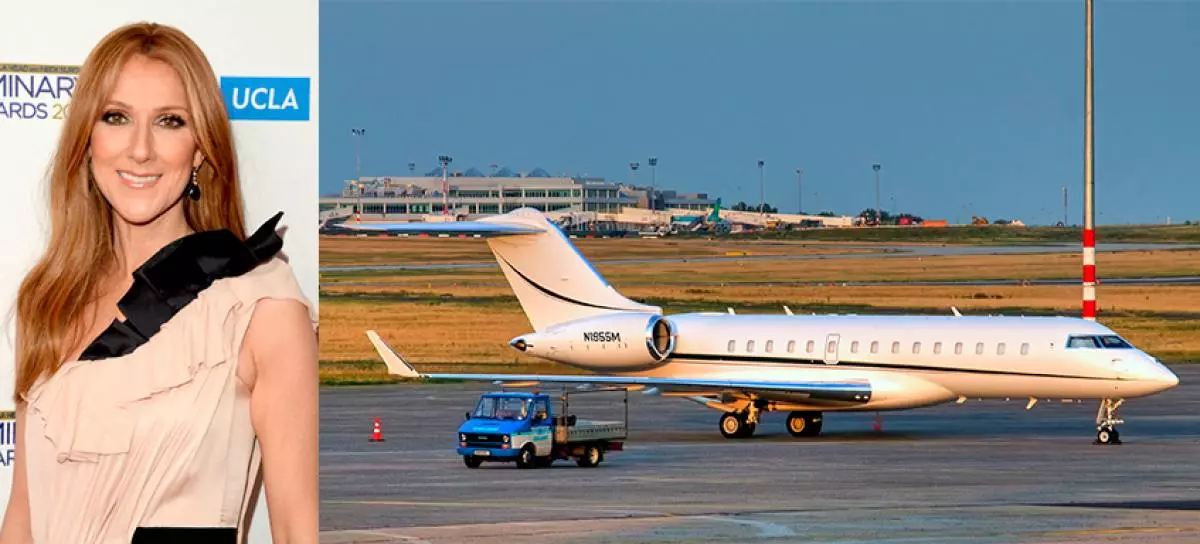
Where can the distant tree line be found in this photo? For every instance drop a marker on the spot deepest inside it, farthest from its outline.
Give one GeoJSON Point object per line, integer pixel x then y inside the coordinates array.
{"type": "Point", "coordinates": [884, 217]}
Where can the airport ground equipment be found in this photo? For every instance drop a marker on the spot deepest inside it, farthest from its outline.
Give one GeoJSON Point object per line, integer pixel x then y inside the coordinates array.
{"type": "Point", "coordinates": [522, 427]}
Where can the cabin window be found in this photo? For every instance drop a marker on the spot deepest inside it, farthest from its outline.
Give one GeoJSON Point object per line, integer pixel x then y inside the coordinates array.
{"type": "Point", "coordinates": [831, 347]}
{"type": "Point", "coordinates": [791, 346]}
{"type": "Point", "coordinates": [916, 348]}
{"type": "Point", "coordinates": [895, 347]}
{"type": "Point", "coordinates": [854, 346]}
{"type": "Point", "coordinates": [958, 348]}
{"type": "Point", "coordinates": [875, 347]}
{"type": "Point", "coordinates": [1025, 348]}
{"type": "Point", "coordinates": [770, 346]}
{"type": "Point", "coordinates": [810, 346]}
{"type": "Point", "coordinates": [979, 348]}
{"type": "Point", "coordinates": [1000, 348]}
{"type": "Point", "coordinates": [750, 346]}
{"type": "Point", "coordinates": [732, 345]}
{"type": "Point", "coordinates": [937, 348]}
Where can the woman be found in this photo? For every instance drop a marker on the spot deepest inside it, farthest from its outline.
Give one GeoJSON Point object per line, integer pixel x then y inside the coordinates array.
{"type": "Point", "coordinates": [163, 358]}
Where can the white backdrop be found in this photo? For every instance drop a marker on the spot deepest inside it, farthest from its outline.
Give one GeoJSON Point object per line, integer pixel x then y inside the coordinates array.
{"type": "Point", "coordinates": [278, 158]}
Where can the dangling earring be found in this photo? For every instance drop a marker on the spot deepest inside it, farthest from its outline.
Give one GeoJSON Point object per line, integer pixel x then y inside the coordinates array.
{"type": "Point", "coordinates": [193, 190]}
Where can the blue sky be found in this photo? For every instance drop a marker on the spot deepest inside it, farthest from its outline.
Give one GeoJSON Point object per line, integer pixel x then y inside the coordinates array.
{"type": "Point", "coordinates": [968, 106]}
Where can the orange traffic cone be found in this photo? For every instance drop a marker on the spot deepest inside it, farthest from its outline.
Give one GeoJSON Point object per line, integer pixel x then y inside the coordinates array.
{"type": "Point", "coordinates": [377, 431]}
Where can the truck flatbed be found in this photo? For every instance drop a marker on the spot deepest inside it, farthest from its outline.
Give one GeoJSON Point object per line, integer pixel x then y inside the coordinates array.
{"type": "Point", "coordinates": [586, 431]}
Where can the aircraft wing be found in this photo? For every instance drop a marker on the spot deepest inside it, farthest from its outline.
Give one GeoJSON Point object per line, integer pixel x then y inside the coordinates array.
{"type": "Point", "coordinates": [852, 392]}
{"type": "Point", "coordinates": [482, 228]}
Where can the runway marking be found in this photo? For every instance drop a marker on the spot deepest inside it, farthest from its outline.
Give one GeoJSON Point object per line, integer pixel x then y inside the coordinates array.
{"type": "Point", "coordinates": [507, 505]}
{"type": "Point", "coordinates": [766, 529]}
{"type": "Point", "coordinates": [389, 536]}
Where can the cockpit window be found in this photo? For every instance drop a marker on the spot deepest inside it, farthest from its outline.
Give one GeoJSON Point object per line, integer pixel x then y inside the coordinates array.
{"type": "Point", "coordinates": [1082, 342]}
{"type": "Point", "coordinates": [1114, 342]}
{"type": "Point", "coordinates": [1109, 341]}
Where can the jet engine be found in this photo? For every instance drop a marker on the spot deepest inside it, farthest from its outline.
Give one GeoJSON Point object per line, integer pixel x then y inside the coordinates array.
{"type": "Point", "coordinates": [625, 341]}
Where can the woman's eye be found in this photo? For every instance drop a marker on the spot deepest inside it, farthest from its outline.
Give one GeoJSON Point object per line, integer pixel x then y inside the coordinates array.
{"type": "Point", "coordinates": [171, 121]}
{"type": "Point", "coordinates": [114, 118]}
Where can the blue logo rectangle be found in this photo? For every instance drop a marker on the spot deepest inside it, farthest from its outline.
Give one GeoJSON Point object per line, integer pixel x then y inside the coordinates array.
{"type": "Point", "coordinates": [266, 98]}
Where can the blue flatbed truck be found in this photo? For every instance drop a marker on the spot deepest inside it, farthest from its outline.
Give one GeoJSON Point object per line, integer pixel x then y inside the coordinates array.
{"type": "Point", "coordinates": [522, 428]}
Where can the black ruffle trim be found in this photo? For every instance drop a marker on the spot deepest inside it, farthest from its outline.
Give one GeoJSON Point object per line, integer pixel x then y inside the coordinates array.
{"type": "Point", "coordinates": [174, 276]}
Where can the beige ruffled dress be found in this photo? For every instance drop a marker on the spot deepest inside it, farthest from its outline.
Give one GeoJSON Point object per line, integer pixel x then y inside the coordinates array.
{"type": "Point", "coordinates": [150, 440]}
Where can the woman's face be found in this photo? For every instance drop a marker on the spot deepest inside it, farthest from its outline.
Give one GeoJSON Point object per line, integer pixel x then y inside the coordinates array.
{"type": "Point", "coordinates": [142, 147]}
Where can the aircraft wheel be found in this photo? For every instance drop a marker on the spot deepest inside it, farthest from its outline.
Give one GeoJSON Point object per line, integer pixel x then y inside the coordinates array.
{"type": "Point", "coordinates": [804, 423]}
{"type": "Point", "coordinates": [733, 425]}
{"type": "Point", "coordinates": [1108, 435]}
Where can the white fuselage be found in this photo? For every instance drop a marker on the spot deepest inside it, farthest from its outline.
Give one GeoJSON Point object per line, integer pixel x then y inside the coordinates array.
{"type": "Point", "coordinates": [909, 361]}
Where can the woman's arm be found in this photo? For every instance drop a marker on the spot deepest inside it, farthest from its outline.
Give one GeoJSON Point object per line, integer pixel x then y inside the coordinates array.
{"type": "Point", "coordinates": [16, 529]}
{"type": "Point", "coordinates": [282, 349]}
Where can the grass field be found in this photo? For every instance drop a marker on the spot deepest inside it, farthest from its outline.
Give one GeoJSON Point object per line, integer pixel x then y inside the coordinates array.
{"type": "Point", "coordinates": [462, 320]}
{"type": "Point", "coordinates": [995, 234]}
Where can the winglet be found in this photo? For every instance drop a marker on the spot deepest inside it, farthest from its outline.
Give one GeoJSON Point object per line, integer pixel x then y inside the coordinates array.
{"type": "Point", "coordinates": [396, 364]}
{"type": "Point", "coordinates": [955, 310]}
{"type": "Point", "coordinates": [788, 310]}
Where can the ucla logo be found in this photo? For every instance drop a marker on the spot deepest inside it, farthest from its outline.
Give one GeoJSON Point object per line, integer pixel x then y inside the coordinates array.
{"type": "Point", "coordinates": [266, 98]}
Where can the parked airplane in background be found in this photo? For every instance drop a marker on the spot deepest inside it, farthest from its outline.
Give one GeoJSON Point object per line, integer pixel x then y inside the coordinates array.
{"type": "Point", "coordinates": [745, 365]}
{"type": "Point", "coordinates": [711, 221]}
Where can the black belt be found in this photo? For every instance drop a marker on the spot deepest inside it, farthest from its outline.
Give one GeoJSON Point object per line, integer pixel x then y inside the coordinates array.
{"type": "Point", "coordinates": [185, 535]}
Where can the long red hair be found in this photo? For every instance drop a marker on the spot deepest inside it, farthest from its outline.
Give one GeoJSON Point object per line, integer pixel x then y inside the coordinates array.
{"type": "Point", "coordinates": [54, 299]}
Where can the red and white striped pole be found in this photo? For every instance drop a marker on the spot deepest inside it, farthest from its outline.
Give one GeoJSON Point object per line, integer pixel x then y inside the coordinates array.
{"type": "Point", "coordinates": [1089, 209]}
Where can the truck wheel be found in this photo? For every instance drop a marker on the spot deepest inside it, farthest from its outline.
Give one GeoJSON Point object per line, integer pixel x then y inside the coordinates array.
{"type": "Point", "coordinates": [591, 457]}
{"type": "Point", "coordinates": [525, 458]}
{"type": "Point", "coordinates": [471, 461]}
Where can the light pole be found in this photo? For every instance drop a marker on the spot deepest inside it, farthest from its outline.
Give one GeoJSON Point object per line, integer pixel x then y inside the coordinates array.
{"type": "Point", "coordinates": [445, 162]}
{"type": "Point", "coordinates": [799, 191]}
{"type": "Point", "coordinates": [653, 182]}
{"type": "Point", "coordinates": [358, 134]}
{"type": "Point", "coordinates": [1065, 206]}
{"type": "Point", "coordinates": [633, 166]}
{"type": "Point", "coordinates": [878, 212]}
{"type": "Point", "coordinates": [761, 194]}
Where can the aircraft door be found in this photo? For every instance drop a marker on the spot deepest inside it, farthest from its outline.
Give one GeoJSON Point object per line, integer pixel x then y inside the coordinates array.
{"type": "Point", "coordinates": [831, 348]}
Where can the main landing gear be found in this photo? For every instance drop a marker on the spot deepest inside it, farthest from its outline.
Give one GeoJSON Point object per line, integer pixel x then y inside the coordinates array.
{"type": "Point", "coordinates": [741, 424]}
{"type": "Point", "coordinates": [738, 424]}
{"type": "Point", "coordinates": [804, 423]}
{"type": "Point", "coordinates": [1106, 422]}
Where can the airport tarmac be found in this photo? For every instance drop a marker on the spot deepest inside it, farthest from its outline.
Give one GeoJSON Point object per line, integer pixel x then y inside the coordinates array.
{"type": "Point", "coordinates": [986, 471]}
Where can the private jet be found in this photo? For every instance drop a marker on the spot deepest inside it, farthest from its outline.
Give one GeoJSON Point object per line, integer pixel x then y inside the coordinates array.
{"type": "Point", "coordinates": [806, 365]}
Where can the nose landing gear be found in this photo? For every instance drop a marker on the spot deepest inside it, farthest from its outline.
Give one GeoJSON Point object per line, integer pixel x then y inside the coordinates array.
{"type": "Point", "coordinates": [1106, 422]}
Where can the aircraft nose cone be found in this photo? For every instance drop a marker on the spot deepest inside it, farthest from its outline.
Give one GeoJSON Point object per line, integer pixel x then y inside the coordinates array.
{"type": "Point", "coordinates": [1159, 374]}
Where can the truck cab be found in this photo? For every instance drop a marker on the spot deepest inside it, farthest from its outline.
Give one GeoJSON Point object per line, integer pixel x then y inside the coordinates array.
{"type": "Point", "coordinates": [523, 428]}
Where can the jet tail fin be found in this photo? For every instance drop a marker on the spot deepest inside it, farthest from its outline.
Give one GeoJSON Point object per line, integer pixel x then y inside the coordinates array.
{"type": "Point", "coordinates": [553, 282]}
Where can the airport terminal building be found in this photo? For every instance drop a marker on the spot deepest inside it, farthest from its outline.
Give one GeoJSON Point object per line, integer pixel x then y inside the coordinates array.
{"type": "Point", "coordinates": [479, 194]}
